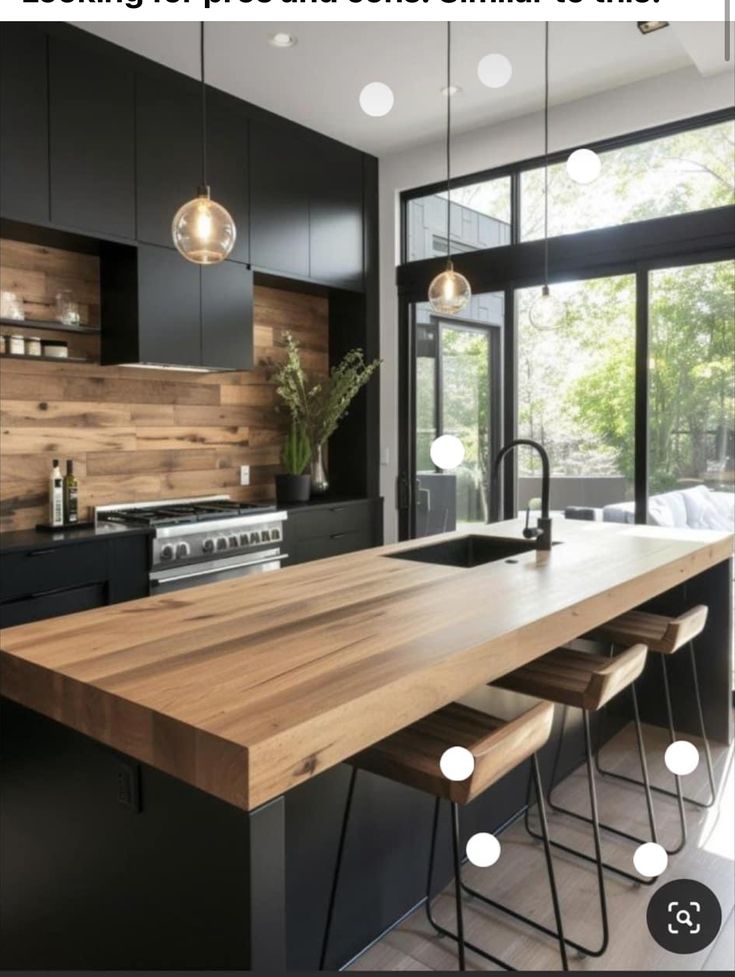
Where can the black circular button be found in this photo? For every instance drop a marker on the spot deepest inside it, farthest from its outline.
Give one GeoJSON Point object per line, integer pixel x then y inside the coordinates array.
{"type": "Point", "coordinates": [684, 916]}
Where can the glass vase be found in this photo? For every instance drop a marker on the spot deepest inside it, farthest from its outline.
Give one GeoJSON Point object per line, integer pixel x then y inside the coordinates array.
{"type": "Point", "coordinates": [319, 482]}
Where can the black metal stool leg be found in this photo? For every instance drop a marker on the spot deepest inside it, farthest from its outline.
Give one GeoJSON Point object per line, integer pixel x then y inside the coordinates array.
{"type": "Point", "coordinates": [441, 930]}
{"type": "Point", "coordinates": [703, 732]}
{"type": "Point", "coordinates": [609, 827]}
{"type": "Point", "coordinates": [337, 867]}
{"type": "Point", "coordinates": [457, 884]}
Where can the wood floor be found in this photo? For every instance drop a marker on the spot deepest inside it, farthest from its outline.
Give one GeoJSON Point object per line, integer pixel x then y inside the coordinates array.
{"type": "Point", "coordinates": [518, 879]}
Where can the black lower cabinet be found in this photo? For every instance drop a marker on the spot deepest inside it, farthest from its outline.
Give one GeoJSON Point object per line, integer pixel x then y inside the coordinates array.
{"type": "Point", "coordinates": [49, 581]}
{"type": "Point", "coordinates": [315, 531]}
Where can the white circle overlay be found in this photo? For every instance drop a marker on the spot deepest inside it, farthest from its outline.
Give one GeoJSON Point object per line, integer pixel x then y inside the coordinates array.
{"type": "Point", "coordinates": [483, 849]}
{"type": "Point", "coordinates": [457, 763]}
{"type": "Point", "coordinates": [494, 70]}
{"type": "Point", "coordinates": [650, 860]}
{"type": "Point", "coordinates": [447, 452]}
{"type": "Point", "coordinates": [376, 99]}
{"type": "Point", "coordinates": [584, 166]}
{"type": "Point", "coordinates": [681, 758]}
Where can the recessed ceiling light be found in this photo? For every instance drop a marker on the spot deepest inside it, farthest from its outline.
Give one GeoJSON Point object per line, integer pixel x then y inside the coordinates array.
{"type": "Point", "coordinates": [451, 90]}
{"type": "Point", "coordinates": [376, 99]}
{"type": "Point", "coordinates": [281, 39]}
{"type": "Point", "coordinates": [649, 26]}
{"type": "Point", "coordinates": [494, 70]}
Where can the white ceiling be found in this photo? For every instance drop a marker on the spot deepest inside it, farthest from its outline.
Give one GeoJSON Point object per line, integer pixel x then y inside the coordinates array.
{"type": "Point", "coordinates": [317, 82]}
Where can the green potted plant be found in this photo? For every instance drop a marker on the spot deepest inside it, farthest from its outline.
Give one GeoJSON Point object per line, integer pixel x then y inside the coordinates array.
{"type": "Point", "coordinates": [294, 485]}
{"type": "Point", "coordinates": [319, 406]}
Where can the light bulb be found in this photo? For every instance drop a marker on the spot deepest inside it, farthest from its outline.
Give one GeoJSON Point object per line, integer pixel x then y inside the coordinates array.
{"type": "Point", "coordinates": [547, 311]}
{"type": "Point", "coordinates": [203, 231]}
{"type": "Point", "coordinates": [447, 452]}
{"type": "Point", "coordinates": [449, 292]}
{"type": "Point", "coordinates": [584, 166]}
{"type": "Point", "coordinates": [376, 99]}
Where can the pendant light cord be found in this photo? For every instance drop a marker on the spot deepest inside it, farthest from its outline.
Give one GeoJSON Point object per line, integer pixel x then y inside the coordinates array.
{"type": "Point", "coordinates": [204, 108]}
{"type": "Point", "coordinates": [449, 139]}
{"type": "Point", "coordinates": [546, 159]}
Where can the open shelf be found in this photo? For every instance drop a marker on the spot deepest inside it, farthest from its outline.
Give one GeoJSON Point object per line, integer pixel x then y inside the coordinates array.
{"type": "Point", "coordinates": [49, 326]}
{"type": "Point", "coordinates": [45, 359]}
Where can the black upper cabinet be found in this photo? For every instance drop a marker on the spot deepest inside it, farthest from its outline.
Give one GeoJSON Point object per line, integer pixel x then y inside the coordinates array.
{"type": "Point", "coordinates": [228, 169]}
{"type": "Point", "coordinates": [24, 174]}
{"type": "Point", "coordinates": [227, 316]}
{"type": "Point", "coordinates": [92, 140]}
{"type": "Point", "coordinates": [169, 308]}
{"type": "Point", "coordinates": [168, 151]}
{"type": "Point", "coordinates": [336, 224]}
{"type": "Point", "coordinates": [280, 186]}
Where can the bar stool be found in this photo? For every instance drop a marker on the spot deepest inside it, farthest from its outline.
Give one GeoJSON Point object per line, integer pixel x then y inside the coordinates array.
{"type": "Point", "coordinates": [412, 756]}
{"type": "Point", "coordinates": [666, 636]}
{"type": "Point", "coordinates": [587, 682]}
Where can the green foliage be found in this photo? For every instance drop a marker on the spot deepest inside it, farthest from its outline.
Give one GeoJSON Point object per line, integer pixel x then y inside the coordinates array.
{"type": "Point", "coordinates": [296, 452]}
{"type": "Point", "coordinates": [319, 407]}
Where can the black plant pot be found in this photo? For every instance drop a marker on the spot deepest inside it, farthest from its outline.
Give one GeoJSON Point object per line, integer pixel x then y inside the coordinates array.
{"type": "Point", "coordinates": [292, 488]}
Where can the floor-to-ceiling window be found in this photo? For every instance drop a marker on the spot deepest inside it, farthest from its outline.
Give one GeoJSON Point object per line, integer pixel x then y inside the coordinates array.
{"type": "Point", "coordinates": [631, 391]}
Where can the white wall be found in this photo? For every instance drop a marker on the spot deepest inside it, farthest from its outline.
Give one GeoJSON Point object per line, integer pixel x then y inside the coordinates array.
{"type": "Point", "coordinates": [666, 98]}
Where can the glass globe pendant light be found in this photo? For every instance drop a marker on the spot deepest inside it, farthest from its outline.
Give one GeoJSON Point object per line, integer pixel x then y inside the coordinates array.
{"type": "Point", "coordinates": [547, 310]}
{"type": "Point", "coordinates": [449, 292]}
{"type": "Point", "coordinates": [203, 230]}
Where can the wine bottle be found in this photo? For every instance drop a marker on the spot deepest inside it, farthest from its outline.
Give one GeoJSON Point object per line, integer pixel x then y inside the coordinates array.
{"type": "Point", "coordinates": [56, 496]}
{"type": "Point", "coordinates": [71, 494]}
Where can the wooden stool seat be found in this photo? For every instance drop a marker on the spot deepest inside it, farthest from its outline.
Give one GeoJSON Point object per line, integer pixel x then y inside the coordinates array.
{"type": "Point", "coordinates": [662, 634]}
{"type": "Point", "coordinates": [575, 678]}
{"type": "Point", "coordinates": [411, 756]}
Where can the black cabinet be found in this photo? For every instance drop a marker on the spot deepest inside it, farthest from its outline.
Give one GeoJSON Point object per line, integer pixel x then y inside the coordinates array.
{"type": "Point", "coordinates": [316, 531]}
{"type": "Point", "coordinates": [24, 172]}
{"type": "Point", "coordinates": [160, 309]}
{"type": "Point", "coordinates": [280, 190]}
{"type": "Point", "coordinates": [43, 581]}
{"type": "Point", "coordinates": [227, 316]}
{"type": "Point", "coordinates": [168, 151]}
{"type": "Point", "coordinates": [228, 164]}
{"type": "Point", "coordinates": [92, 140]}
{"type": "Point", "coordinates": [169, 309]}
{"type": "Point", "coordinates": [336, 217]}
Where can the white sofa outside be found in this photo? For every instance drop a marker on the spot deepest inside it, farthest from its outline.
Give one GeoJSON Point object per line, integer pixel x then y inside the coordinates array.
{"type": "Point", "coordinates": [692, 508]}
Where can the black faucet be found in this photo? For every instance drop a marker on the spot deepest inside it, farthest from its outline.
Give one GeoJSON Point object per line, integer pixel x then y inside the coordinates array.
{"type": "Point", "coordinates": [542, 532]}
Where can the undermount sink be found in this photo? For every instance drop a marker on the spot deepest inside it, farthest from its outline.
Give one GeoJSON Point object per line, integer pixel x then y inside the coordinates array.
{"type": "Point", "coordinates": [467, 551]}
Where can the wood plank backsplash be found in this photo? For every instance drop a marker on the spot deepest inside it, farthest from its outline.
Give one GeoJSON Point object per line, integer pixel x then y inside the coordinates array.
{"type": "Point", "coordinates": [138, 434]}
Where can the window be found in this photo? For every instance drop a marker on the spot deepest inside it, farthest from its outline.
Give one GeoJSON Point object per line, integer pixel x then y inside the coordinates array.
{"type": "Point", "coordinates": [692, 389]}
{"type": "Point", "coordinates": [677, 174]}
{"type": "Point", "coordinates": [480, 218]}
{"type": "Point", "coordinates": [576, 394]}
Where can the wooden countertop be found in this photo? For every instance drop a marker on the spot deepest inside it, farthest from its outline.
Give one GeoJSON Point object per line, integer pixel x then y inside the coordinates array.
{"type": "Point", "coordinates": [248, 687]}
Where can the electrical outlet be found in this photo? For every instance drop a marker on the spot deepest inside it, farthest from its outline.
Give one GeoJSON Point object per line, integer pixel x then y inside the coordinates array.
{"type": "Point", "coordinates": [244, 474]}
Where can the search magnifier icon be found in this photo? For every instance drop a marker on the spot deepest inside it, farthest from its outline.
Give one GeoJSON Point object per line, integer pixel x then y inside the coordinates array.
{"type": "Point", "coordinates": [683, 916]}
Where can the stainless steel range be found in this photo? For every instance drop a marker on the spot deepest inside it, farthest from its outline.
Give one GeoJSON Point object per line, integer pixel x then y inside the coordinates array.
{"type": "Point", "coordinates": [203, 540]}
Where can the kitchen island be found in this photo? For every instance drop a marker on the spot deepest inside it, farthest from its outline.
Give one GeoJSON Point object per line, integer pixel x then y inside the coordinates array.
{"type": "Point", "coordinates": [215, 705]}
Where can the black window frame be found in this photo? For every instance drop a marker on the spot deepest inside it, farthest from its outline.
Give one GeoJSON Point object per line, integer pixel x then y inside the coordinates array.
{"type": "Point", "coordinates": [635, 248]}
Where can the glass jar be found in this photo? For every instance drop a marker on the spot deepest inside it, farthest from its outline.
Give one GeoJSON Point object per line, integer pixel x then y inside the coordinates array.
{"type": "Point", "coordinates": [3, 344]}
{"type": "Point", "coordinates": [67, 308]}
{"type": "Point", "coordinates": [11, 307]}
{"type": "Point", "coordinates": [55, 348]}
{"type": "Point", "coordinates": [33, 346]}
{"type": "Point", "coordinates": [16, 345]}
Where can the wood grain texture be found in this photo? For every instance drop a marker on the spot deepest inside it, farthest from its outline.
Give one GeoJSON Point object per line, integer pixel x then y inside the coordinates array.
{"type": "Point", "coordinates": [138, 434]}
{"type": "Point", "coordinates": [665, 635]}
{"type": "Point", "coordinates": [249, 687]}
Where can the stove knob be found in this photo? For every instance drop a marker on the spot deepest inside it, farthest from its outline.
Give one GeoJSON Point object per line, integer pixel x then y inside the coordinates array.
{"type": "Point", "coordinates": [254, 538]}
{"type": "Point", "coordinates": [275, 535]}
{"type": "Point", "coordinates": [234, 541]}
{"type": "Point", "coordinates": [167, 551]}
{"type": "Point", "coordinates": [221, 542]}
{"type": "Point", "coordinates": [265, 536]}
{"type": "Point", "coordinates": [182, 551]}
{"type": "Point", "coordinates": [208, 545]}
{"type": "Point", "coordinates": [244, 539]}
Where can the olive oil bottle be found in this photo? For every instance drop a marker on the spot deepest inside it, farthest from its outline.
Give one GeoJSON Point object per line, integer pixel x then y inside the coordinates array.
{"type": "Point", "coordinates": [71, 494]}
{"type": "Point", "coordinates": [56, 496]}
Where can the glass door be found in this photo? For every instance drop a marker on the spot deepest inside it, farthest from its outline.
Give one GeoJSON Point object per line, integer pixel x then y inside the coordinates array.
{"type": "Point", "coordinates": [457, 391]}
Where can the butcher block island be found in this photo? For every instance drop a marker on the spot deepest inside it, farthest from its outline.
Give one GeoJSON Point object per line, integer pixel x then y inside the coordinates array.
{"type": "Point", "coordinates": [225, 711]}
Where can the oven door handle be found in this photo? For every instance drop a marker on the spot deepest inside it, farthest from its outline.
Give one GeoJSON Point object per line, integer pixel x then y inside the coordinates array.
{"type": "Point", "coordinates": [233, 566]}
